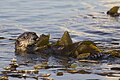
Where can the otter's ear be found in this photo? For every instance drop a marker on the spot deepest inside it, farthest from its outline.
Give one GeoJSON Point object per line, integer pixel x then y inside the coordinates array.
{"type": "Point", "coordinates": [65, 39]}
{"type": "Point", "coordinates": [113, 10]}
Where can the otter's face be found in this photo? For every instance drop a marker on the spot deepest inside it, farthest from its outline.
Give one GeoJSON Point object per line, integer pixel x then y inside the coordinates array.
{"type": "Point", "coordinates": [24, 40]}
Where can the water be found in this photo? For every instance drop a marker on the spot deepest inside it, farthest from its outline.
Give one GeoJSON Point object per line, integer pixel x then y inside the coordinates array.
{"type": "Point", "coordinates": [84, 19]}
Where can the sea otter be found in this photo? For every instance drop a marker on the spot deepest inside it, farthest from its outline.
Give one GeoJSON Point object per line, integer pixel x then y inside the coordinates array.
{"type": "Point", "coordinates": [29, 42]}
{"type": "Point", "coordinates": [25, 41]}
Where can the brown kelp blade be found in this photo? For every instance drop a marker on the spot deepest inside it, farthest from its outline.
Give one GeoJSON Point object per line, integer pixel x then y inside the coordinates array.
{"type": "Point", "coordinates": [88, 47]}
{"type": "Point", "coordinates": [114, 53]}
{"type": "Point", "coordinates": [69, 50]}
{"type": "Point", "coordinates": [114, 9]}
{"type": "Point", "coordinates": [43, 40]}
{"type": "Point", "coordinates": [65, 39]}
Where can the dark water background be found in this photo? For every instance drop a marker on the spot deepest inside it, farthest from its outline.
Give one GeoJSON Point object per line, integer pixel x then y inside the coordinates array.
{"type": "Point", "coordinates": [84, 19]}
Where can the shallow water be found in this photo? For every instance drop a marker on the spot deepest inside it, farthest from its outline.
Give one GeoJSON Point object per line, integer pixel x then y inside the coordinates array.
{"type": "Point", "coordinates": [84, 19]}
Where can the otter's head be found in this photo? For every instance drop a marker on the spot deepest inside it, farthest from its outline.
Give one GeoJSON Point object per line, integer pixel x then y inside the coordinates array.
{"type": "Point", "coordinates": [24, 41]}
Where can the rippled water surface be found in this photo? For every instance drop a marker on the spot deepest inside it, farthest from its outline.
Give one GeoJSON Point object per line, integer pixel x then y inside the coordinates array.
{"type": "Point", "coordinates": [84, 19]}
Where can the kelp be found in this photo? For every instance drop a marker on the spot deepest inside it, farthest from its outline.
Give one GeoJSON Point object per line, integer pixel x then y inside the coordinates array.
{"type": "Point", "coordinates": [33, 73]}
{"type": "Point", "coordinates": [114, 53]}
{"type": "Point", "coordinates": [4, 78]}
{"type": "Point", "coordinates": [88, 47]}
{"type": "Point", "coordinates": [69, 50]}
{"type": "Point", "coordinates": [113, 11]}
{"type": "Point", "coordinates": [65, 47]}
{"type": "Point", "coordinates": [42, 40]}
{"type": "Point", "coordinates": [83, 56]}
{"type": "Point", "coordinates": [59, 74]}
{"type": "Point", "coordinates": [85, 49]}
{"type": "Point", "coordinates": [65, 39]}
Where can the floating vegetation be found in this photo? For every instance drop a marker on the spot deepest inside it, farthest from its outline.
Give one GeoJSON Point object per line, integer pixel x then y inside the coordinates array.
{"type": "Point", "coordinates": [12, 71]}
{"type": "Point", "coordinates": [59, 74]}
{"type": "Point", "coordinates": [113, 12]}
{"type": "Point", "coordinates": [114, 53]}
{"type": "Point", "coordinates": [4, 78]}
{"type": "Point", "coordinates": [110, 74]}
{"type": "Point", "coordinates": [89, 61]}
{"type": "Point", "coordinates": [63, 47]}
{"type": "Point", "coordinates": [83, 52]}
{"type": "Point", "coordinates": [73, 71]}
{"type": "Point", "coordinates": [47, 78]}
{"type": "Point", "coordinates": [41, 66]}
